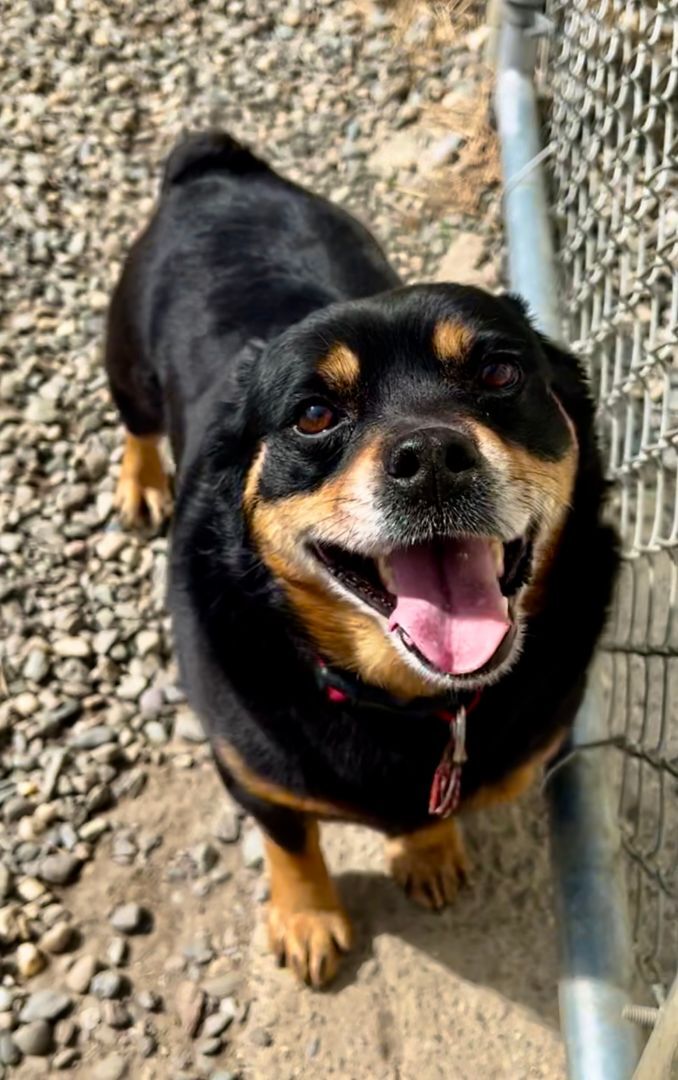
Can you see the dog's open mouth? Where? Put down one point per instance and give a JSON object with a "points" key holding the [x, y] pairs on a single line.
{"points": [[448, 601]]}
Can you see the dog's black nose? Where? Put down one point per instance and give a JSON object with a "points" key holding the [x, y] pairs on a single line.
{"points": [[436, 458]]}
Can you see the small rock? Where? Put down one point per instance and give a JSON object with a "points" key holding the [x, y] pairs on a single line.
{"points": [[151, 702], [60, 938], [210, 1047], [221, 986], [147, 641], [110, 545], [117, 952], [6, 999], [30, 889], [223, 1074], [65, 1058], [130, 919], [252, 848], [35, 1039], [261, 1037], [30, 960], [312, 1048], [190, 1004], [45, 1005], [41, 411], [113, 1067], [107, 985], [188, 727], [72, 648], [10, 1054], [59, 869], [81, 974], [5, 881], [215, 1025], [36, 667], [155, 732], [227, 828], [228, 1008], [92, 737], [149, 1000], [131, 688], [116, 1015], [205, 856]]}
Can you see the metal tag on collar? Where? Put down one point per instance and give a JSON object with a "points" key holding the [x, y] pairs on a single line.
{"points": [[446, 787]]}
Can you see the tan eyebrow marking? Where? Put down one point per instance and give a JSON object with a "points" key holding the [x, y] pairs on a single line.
{"points": [[451, 340], [340, 367]]}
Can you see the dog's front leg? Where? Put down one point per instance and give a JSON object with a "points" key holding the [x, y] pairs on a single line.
{"points": [[308, 928]]}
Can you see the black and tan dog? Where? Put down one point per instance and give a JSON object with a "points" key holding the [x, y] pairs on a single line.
{"points": [[389, 570]]}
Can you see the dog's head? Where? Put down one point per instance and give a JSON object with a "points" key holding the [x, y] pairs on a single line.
{"points": [[416, 456]]}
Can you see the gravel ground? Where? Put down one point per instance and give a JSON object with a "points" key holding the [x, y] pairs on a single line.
{"points": [[129, 886]]}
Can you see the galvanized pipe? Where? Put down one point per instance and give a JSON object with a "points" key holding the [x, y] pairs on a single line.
{"points": [[595, 942]]}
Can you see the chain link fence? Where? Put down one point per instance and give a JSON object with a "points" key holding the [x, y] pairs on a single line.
{"points": [[609, 80]]}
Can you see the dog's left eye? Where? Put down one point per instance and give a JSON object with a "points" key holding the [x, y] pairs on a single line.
{"points": [[315, 418], [500, 375]]}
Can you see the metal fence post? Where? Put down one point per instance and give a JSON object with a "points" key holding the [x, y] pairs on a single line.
{"points": [[595, 940]]}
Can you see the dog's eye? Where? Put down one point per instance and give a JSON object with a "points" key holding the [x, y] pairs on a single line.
{"points": [[500, 375], [315, 418]]}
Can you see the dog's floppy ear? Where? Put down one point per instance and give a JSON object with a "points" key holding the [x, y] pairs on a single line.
{"points": [[569, 379]]}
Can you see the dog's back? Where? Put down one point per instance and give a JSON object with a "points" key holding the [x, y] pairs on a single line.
{"points": [[233, 253]]}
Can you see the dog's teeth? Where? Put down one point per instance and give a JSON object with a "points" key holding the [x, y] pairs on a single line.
{"points": [[498, 554], [385, 573]]}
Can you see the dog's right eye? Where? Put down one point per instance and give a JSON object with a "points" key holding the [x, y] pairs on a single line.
{"points": [[315, 418]]}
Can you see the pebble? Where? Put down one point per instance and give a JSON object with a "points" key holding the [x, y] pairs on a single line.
{"points": [[190, 1003], [252, 848], [45, 1005], [60, 938], [37, 666], [210, 1047], [35, 1039], [155, 732], [261, 1037], [59, 869], [188, 727], [112, 1067], [215, 1025], [110, 545], [117, 952], [151, 703], [227, 828], [116, 1015], [72, 647], [79, 977], [6, 998], [130, 918], [66, 1058], [205, 856], [30, 960], [107, 985], [92, 737], [10, 1054], [150, 1001]]}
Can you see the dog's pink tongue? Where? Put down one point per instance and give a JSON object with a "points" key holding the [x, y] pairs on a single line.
{"points": [[449, 603]]}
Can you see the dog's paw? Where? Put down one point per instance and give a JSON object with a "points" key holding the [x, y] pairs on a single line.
{"points": [[141, 504], [430, 865], [143, 495], [309, 942]]}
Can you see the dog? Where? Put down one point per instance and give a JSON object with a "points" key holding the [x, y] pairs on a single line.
{"points": [[389, 561]]}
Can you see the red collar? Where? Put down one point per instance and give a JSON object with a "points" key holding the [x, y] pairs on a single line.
{"points": [[341, 688]]}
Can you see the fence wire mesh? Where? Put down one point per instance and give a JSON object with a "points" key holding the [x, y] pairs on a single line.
{"points": [[609, 77]]}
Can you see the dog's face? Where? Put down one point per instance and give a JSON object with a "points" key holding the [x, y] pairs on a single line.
{"points": [[414, 468]]}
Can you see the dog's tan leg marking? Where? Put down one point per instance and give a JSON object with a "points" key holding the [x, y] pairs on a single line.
{"points": [[143, 487], [307, 926], [429, 864]]}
